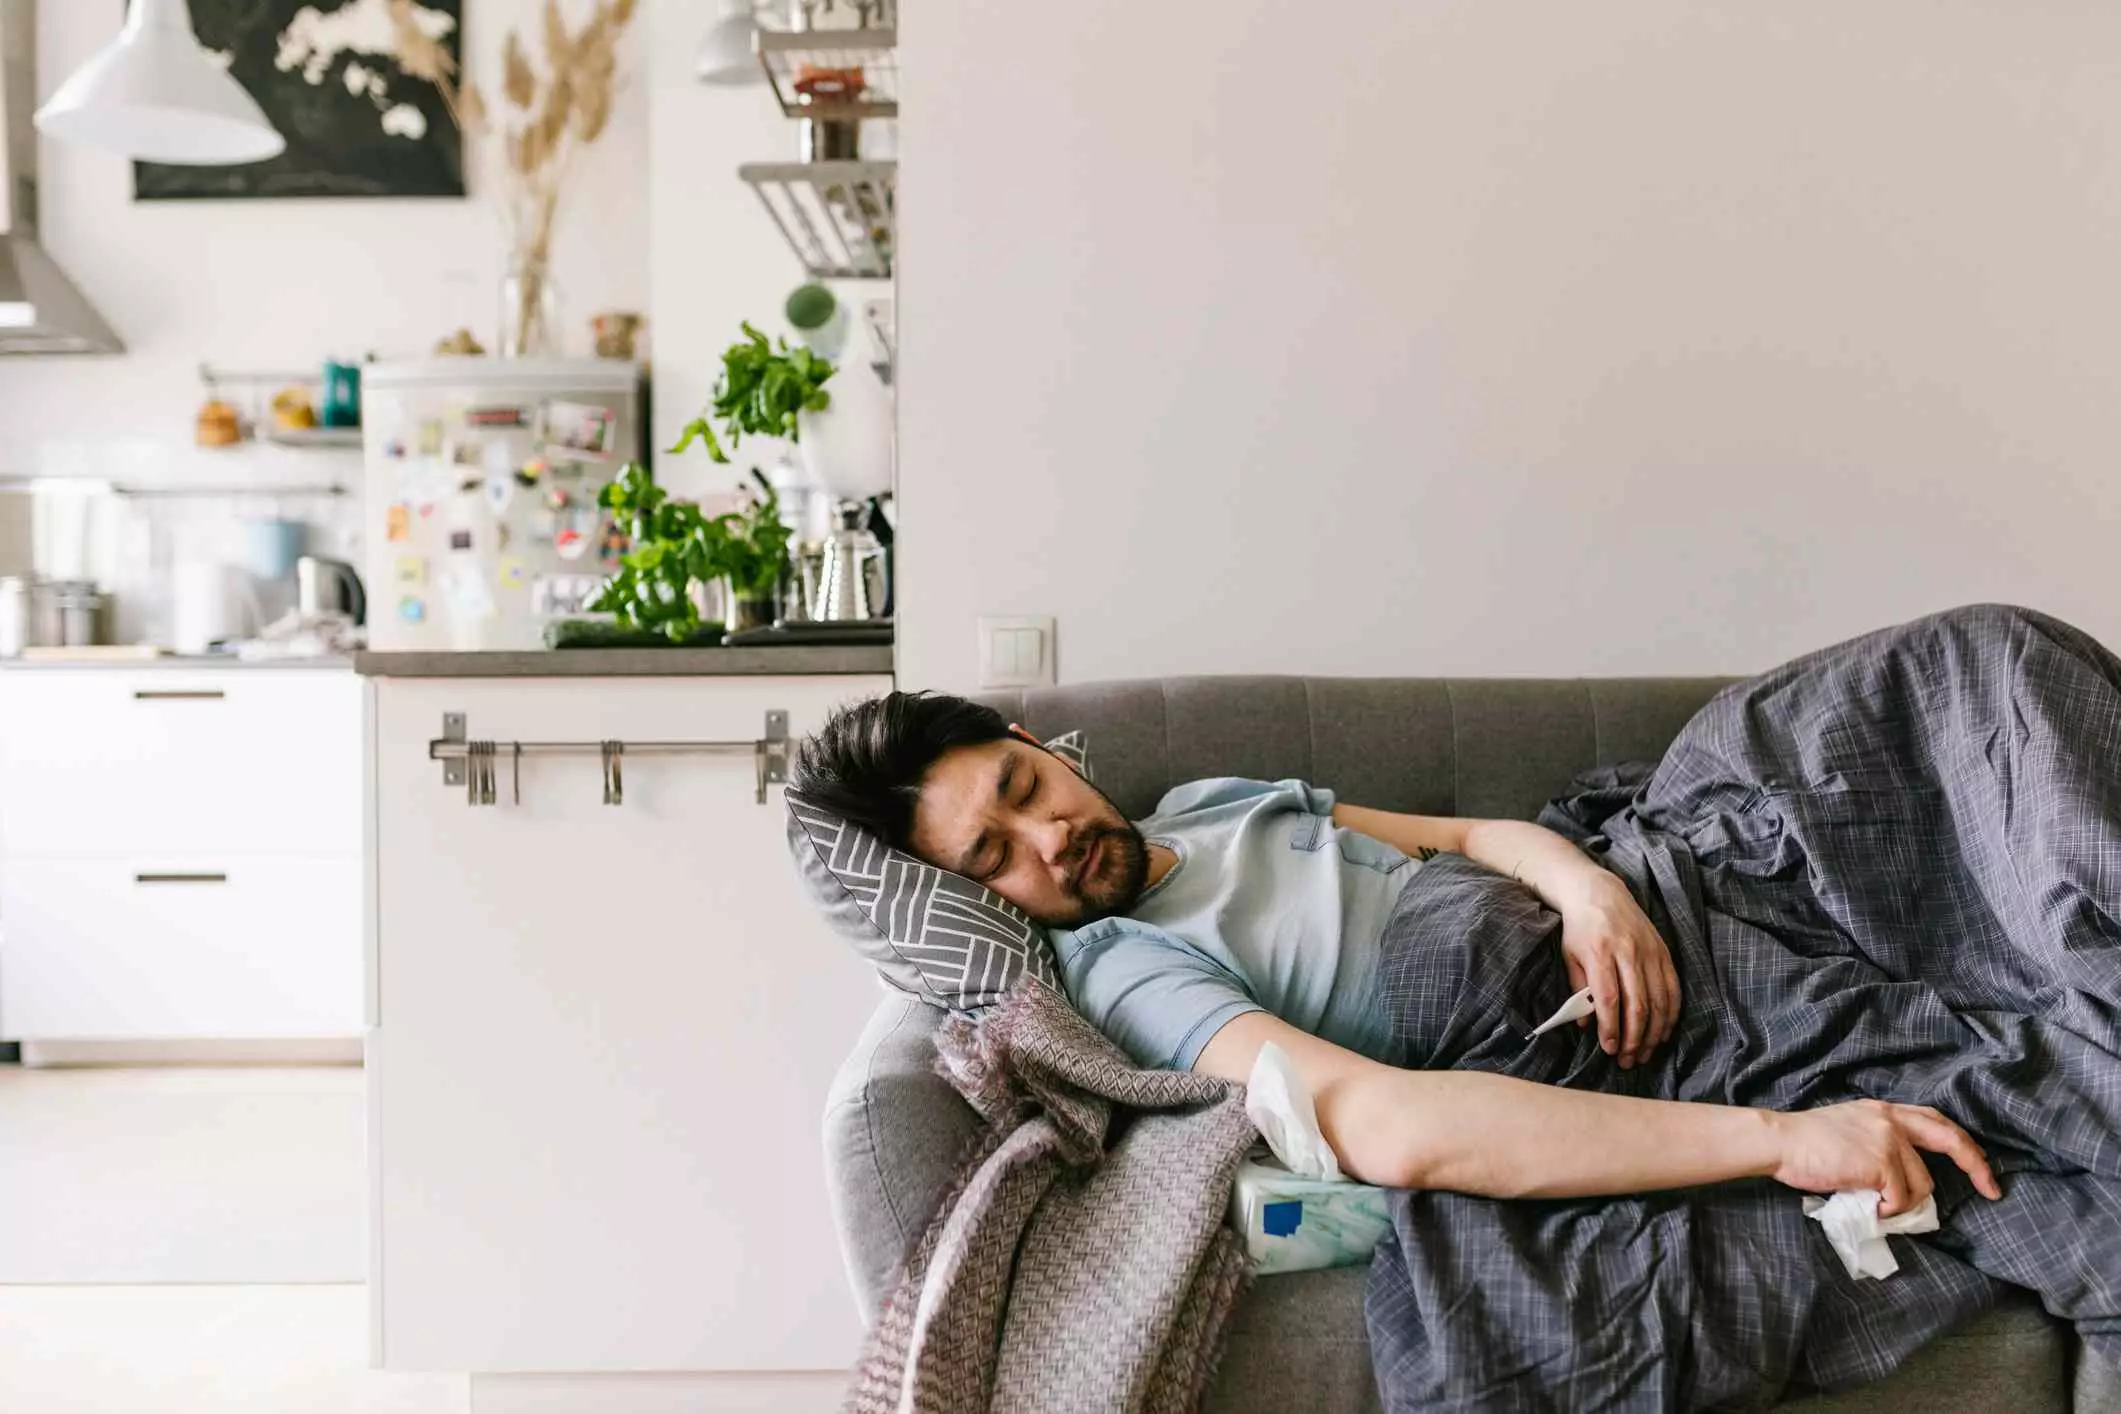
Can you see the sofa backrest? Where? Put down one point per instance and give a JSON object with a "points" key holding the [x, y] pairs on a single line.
{"points": [[1493, 748]]}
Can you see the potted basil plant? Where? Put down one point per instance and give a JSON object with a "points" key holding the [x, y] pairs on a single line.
{"points": [[677, 547], [767, 389]]}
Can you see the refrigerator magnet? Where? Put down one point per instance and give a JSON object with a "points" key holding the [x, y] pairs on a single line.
{"points": [[412, 608], [559, 498], [514, 573], [500, 490], [394, 449], [431, 437], [397, 522], [582, 428], [611, 544], [502, 535], [531, 472], [467, 452], [411, 569], [497, 417], [570, 543], [460, 540]]}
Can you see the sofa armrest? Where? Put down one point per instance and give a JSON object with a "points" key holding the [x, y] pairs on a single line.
{"points": [[895, 1133]]}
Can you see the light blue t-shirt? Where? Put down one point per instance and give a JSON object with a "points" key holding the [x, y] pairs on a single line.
{"points": [[1271, 907]]}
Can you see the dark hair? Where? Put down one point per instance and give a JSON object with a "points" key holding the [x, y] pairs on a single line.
{"points": [[866, 763]]}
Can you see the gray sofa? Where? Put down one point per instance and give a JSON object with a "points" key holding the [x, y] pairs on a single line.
{"points": [[1473, 747]]}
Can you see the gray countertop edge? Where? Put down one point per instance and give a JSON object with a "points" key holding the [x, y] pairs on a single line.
{"points": [[213, 663], [629, 662]]}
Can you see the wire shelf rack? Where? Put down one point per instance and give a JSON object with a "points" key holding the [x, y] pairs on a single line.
{"points": [[841, 73], [838, 217]]}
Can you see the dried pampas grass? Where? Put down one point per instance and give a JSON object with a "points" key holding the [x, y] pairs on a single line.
{"points": [[550, 120]]}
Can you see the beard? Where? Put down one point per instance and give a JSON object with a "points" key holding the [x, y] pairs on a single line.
{"points": [[1116, 881]]}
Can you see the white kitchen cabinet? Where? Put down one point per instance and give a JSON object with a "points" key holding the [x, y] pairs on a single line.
{"points": [[602, 1040], [180, 853], [110, 762]]}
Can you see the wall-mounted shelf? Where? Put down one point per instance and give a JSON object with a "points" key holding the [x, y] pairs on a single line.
{"points": [[832, 73], [838, 217], [263, 428], [310, 436]]}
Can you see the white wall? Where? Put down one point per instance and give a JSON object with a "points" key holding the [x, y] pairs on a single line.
{"points": [[1504, 336], [286, 284]]}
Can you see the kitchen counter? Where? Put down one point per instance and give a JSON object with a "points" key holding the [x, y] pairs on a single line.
{"points": [[337, 662], [629, 662]]}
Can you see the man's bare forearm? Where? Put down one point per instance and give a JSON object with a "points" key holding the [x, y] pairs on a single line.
{"points": [[1503, 1138], [1543, 861]]}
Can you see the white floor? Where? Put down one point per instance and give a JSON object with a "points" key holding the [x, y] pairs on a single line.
{"points": [[152, 1223]]}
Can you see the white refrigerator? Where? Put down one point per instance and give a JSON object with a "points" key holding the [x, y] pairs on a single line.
{"points": [[480, 505]]}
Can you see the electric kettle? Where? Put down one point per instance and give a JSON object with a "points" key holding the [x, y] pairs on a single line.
{"points": [[851, 578], [329, 587]]}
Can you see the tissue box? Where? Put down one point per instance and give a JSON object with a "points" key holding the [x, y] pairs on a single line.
{"points": [[1293, 1224]]}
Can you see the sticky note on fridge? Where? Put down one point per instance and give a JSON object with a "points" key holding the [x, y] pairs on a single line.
{"points": [[500, 490], [397, 522], [412, 569], [514, 573], [468, 593]]}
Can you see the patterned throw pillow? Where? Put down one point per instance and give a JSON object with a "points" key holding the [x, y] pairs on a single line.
{"points": [[947, 940]]}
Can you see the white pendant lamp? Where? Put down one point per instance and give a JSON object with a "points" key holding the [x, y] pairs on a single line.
{"points": [[154, 95], [726, 56]]}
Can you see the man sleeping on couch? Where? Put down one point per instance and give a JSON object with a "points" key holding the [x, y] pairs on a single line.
{"points": [[1864, 900]]}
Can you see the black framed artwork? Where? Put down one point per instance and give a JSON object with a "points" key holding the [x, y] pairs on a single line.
{"points": [[327, 76]]}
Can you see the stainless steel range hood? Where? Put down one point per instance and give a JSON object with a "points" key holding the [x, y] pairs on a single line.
{"points": [[40, 310]]}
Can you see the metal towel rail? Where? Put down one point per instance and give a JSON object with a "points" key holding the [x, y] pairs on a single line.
{"points": [[472, 763]]}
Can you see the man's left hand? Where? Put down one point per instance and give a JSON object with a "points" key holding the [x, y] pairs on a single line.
{"points": [[1612, 947]]}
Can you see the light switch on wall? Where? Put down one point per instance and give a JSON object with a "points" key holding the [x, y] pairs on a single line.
{"points": [[1016, 652]]}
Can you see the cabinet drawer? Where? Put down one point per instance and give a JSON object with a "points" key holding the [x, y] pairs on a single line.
{"points": [[116, 763], [102, 949]]}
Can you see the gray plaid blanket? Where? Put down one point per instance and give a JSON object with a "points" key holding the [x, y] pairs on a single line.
{"points": [[1082, 1264], [1889, 869]]}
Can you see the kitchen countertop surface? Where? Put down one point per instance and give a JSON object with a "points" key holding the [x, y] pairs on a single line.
{"points": [[629, 662], [336, 662]]}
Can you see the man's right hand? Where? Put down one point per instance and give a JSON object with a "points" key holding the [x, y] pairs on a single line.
{"points": [[1872, 1144]]}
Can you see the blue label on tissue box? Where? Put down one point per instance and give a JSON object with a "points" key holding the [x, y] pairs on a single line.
{"points": [[1293, 1224]]}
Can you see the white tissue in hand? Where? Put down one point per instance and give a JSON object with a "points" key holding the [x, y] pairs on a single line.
{"points": [[1280, 1108], [1858, 1234]]}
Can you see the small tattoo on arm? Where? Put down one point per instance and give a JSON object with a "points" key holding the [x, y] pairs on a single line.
{"points": [[1426, 853]]}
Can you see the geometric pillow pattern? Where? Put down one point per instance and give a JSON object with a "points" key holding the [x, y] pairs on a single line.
{"points": [[942, 937]]}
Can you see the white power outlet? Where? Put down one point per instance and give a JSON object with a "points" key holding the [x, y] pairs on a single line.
{"points": [[1016, 652]]}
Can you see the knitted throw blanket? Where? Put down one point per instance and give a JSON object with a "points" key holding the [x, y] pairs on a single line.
{"points": [[1081, 1261]]}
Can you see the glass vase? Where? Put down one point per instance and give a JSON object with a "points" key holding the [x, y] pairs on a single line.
{"points": [[530, 310]]}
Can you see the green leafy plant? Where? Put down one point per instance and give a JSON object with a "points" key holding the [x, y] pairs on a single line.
{"points": [[676, 545], [763, 391]]}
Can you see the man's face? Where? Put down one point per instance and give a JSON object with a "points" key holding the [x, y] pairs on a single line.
{"points": [[1020, 820]]}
